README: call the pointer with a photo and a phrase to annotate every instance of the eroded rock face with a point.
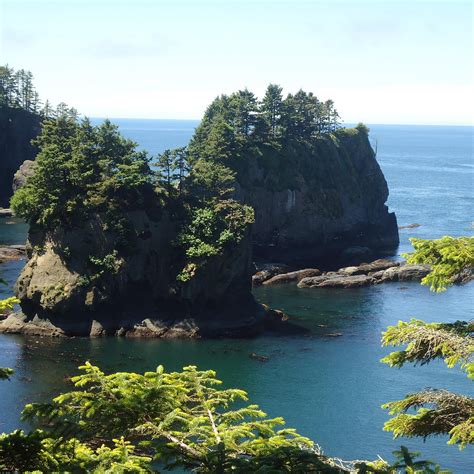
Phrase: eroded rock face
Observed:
(63, 291)
(330, 199)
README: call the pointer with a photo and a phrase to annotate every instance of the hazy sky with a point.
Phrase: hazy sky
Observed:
(381, 62)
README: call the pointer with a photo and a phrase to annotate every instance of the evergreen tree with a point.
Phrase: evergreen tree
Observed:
(47, 111)
(81, 170)
(17, 89)
(165, 170)
(8, 87)
(243, 105)
(272, 109)
(180, 166)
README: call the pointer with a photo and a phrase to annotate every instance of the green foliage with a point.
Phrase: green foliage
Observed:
(109, 264)
(452, 259)
(362, 128)
(5, 373)
(453, 342)
(236, 127)
(8, 304)
(184, 417)
(17, 90)
(210, 180)
(406, 463)
(210, 231)
(37, 451)
(122, 422)
(81, 170)
(173, 167)
(449, 414)
(438, 412)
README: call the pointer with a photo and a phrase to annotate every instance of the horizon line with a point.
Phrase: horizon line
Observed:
(343, 124)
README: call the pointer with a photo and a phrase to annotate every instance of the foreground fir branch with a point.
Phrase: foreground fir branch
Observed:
(452, 342)
(134, 423)
(451, 260)
(182, 418)
(449, 413)
(439, 412)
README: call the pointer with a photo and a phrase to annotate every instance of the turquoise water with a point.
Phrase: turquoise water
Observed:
(329, 388)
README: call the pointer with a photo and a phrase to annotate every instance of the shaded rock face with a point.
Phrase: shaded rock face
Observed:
(136, 293)
(329, 199)
(17, 128)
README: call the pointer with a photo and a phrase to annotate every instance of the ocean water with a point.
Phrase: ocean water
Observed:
(329, 388)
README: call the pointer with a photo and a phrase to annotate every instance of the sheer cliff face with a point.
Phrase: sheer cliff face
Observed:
(313, 204)
(17, 129)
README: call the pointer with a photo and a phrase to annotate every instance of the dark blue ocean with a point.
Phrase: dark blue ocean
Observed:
(330, 389)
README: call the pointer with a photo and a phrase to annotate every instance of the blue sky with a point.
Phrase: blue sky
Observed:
(381, 62)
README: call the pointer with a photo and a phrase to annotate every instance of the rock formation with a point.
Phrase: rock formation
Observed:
(65, 289)
(320, 204)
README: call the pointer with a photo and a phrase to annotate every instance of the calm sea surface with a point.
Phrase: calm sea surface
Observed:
(329, 388)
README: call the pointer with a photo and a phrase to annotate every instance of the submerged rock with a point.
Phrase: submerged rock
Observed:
(409, 226)
(260, 358)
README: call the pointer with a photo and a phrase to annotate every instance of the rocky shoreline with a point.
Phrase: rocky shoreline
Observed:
(267, 320)
(365, 274)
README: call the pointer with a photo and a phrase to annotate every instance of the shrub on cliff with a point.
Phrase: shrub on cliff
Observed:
(80, 170)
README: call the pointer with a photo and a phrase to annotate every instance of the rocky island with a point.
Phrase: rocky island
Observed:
(120, 247)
